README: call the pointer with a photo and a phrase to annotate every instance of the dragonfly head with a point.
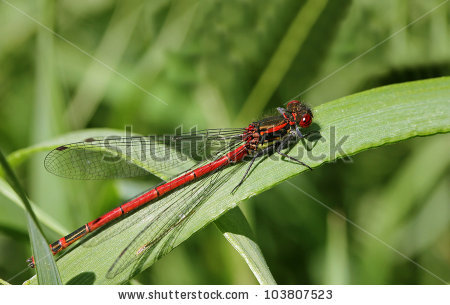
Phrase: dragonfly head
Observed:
(301, 113)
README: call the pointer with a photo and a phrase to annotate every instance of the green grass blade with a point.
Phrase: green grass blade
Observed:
(44, 218)
(45, 264)
(3, 282)
(282, 58)
(87, 97)
(47, 271)
(348, 125)
(237, 231)
(400, 201)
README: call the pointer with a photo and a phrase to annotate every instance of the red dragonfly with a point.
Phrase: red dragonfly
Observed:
(195, 156)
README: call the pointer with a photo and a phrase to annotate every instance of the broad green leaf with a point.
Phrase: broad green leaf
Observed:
(347, 126)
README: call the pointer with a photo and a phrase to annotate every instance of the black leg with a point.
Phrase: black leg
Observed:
(281, 146)
(268, 150)
(259, 154)
(293, 159)
(245, 175)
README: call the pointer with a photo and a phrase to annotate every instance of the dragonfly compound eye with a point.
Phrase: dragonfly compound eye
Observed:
(306, 120)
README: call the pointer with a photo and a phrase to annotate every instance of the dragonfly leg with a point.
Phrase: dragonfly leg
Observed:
(299, 133)
(294, 159)
(246, 173)
(258, 154)
(281, 146)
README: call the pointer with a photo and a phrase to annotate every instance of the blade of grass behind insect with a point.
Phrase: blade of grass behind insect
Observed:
(386, 212)
(419, 234)
(145, 72)
(3, 282)
(425, 235)
(282, 58)
(336, 270)
(45, 264)
(44, 218)
(92, 87)
(237, 231)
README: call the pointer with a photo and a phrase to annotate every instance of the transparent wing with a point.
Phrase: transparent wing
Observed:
(175, 203)
(121, 157)
(160, 230)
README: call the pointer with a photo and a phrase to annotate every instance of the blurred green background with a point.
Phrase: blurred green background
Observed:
(157, 64)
